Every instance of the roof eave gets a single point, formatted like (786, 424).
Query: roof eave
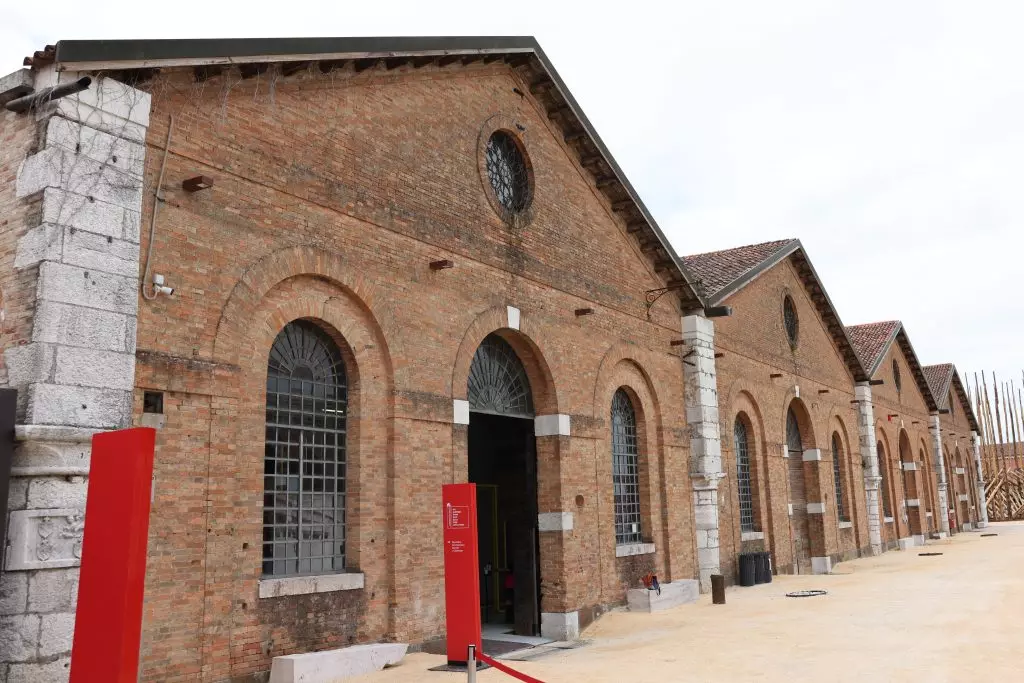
(749, 276)
(915, 367)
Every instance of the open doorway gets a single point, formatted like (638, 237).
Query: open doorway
(503, 465)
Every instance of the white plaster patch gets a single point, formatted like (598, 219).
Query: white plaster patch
(913, 502)
(752, 536)
(812, 454)
(306, 585)
(845, 525)
(460, 411)
(961, 470)
(513, 317)
(790, 509)
(909, 466)
(815, 508)
(555, 521)
(963, 498)
(551, 425)
(629, 549)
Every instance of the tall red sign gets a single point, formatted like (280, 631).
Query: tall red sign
(461, 570)
(108, 620)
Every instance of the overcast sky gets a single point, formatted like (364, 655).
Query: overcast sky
(888, 136)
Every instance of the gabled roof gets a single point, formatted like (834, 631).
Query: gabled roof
(721, 274)
(139, 59)
(873, 340)
(944, 376)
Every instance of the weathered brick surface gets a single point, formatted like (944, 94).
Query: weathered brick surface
(754, 345)
(18, 139)
(956, 443)
(332, 194)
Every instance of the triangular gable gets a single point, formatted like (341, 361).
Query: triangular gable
(942, 378)
(137, 60)
(721, 274)
(872, 342)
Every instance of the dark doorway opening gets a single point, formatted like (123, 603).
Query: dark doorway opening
(503, 465)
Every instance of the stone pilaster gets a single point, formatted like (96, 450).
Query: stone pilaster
(979, 480)
(940, 469)
(869, 456)
(701, 395)
(76, 375)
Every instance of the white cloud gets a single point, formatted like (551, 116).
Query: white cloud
(888, 136)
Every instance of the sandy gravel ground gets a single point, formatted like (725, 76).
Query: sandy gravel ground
(899, 617)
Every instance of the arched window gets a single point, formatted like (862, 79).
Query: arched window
(793, 440)
(304, 459)
(837, 472)
(896, 379)
(743, 483)
(884, 483)
(497, 380)
(625, 470)
(790, 320)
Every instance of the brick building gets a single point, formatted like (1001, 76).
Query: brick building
(961, 449)
(338, 273)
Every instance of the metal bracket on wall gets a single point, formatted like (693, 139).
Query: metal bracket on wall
(687, 355)
(653, 295)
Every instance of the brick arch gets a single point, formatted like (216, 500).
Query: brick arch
(524, 342)
(803, 419)
(743, 406)
(237, 447)
(621, 369)
(838, 426)
(261, 277)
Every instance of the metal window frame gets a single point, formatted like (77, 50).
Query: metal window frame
(305, 455)
(625, 470)
(744, 489)
(837, 472)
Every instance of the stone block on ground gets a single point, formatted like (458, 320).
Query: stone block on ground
(673, 594)
(335, 665)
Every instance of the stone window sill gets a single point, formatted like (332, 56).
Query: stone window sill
(306, 585)
(890, 520)
(845, 524)
(752, 536)
(628, 549)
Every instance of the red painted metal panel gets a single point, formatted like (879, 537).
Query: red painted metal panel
(461, 570)
(108, 622)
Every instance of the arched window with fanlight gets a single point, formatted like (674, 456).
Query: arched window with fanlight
(837, 473)
(625, 470)
(304, 458)
(744, 485)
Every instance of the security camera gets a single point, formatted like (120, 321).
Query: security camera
(159, 287)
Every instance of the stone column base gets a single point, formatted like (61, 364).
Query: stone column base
(560, 625)
(821, 565)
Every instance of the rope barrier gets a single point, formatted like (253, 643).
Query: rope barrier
(475, 655)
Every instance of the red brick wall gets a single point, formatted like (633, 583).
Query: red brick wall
(909, 414)
(755, 346)
(956, 438)
(331, 195)
(18, 139)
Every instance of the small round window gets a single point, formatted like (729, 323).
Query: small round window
(790, 320)
(508, 173)
(896, 379)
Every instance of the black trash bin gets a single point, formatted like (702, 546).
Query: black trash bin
(761, 567)
(767, 567)
(748, 569)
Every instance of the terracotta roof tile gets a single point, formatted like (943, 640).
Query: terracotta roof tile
(939, 377)
(715, 270)
(870, 340)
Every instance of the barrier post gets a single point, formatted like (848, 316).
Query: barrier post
(471, 664)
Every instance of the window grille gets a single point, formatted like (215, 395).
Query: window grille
(837, 455)
(625, 470)
(884, 483)
(497, 380)
(304, 459)
(790, 320)
(743, 484)
(508, 172)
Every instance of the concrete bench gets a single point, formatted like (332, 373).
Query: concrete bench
(673, 594)
(335, 665)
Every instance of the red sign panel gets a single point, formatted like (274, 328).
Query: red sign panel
(461, 570)
(108, 620)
